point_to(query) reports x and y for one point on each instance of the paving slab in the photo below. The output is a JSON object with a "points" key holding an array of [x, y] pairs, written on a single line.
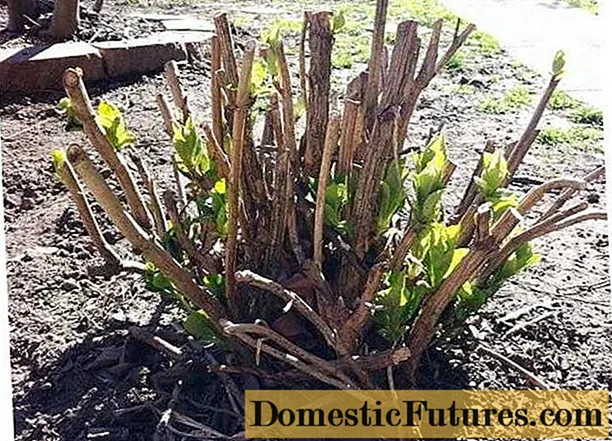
{"points": [[41, 67], [189, 24], [533, 30]]}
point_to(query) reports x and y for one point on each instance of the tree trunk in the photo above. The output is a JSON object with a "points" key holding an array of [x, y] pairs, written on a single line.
{"points": [[17, 10], [65, 19]]}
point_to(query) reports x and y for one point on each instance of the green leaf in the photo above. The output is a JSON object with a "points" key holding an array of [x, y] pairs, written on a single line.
{"points": [[220, 186], [494, 173], [558, 65], [112, 121], [59, 159], [198, 325], [190, 147], [339, 22]]}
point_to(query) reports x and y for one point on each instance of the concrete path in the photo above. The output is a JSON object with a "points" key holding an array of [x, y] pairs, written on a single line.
{"points": [[533, 30]]}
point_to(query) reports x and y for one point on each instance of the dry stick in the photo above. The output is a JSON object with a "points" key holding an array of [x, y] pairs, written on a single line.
{"points": [[458, 41], [143, 336], [289, 359], [378, 41], [428, 68], [182, 199], [202, 259], [159, 219], [75, 88], [399, 65], [516, 156], [531, 377], [331, 142], [291, 348], [151, 250], [302, 61], [567, 194], [66, 174], [320, 42], [508, 221], [166, 112], [171, 72], [287, 105], [250, 278], [549, 225], [537, 193], [347, 138], [471, 191], [230, 67], [234, 183], [281, 184], [403, 248], [353, 328], [215, 90], [369, 178], [217, 153]]}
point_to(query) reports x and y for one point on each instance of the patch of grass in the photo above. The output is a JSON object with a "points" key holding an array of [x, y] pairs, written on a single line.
{"points": [[589, 5], [562, 101], [584, 138], [425, 12], [588, 115], [485, 43], [457, 62], [463, 89], [512, 100]]}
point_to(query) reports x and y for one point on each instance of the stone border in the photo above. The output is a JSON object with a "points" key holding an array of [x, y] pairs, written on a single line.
{"points": [[39, 68]]}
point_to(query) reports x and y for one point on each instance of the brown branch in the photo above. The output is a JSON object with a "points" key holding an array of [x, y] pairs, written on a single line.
{"points": [[517, 154], [215, 90], [143, 336], [331, 142], [155, 206], [287, 105], [68, 178], [75, 88], [150, 249], [320, 42], [471, 191], [537, 381], [374, 64], [352, 330], [403, 248], [181, 200], [217, 153], [233, 193], [424, 326], [567, 194], [302, 60], [428, 67], [166, 113], [399, 66], [281, 184], [512, 245], [203, 260], [171, 72], [347, 138], [250, 278], [325, 372], [226, 44], [458, 41]]}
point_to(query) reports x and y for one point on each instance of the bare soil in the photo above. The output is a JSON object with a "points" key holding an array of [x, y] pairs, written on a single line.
{"points": [[76, 372]]}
